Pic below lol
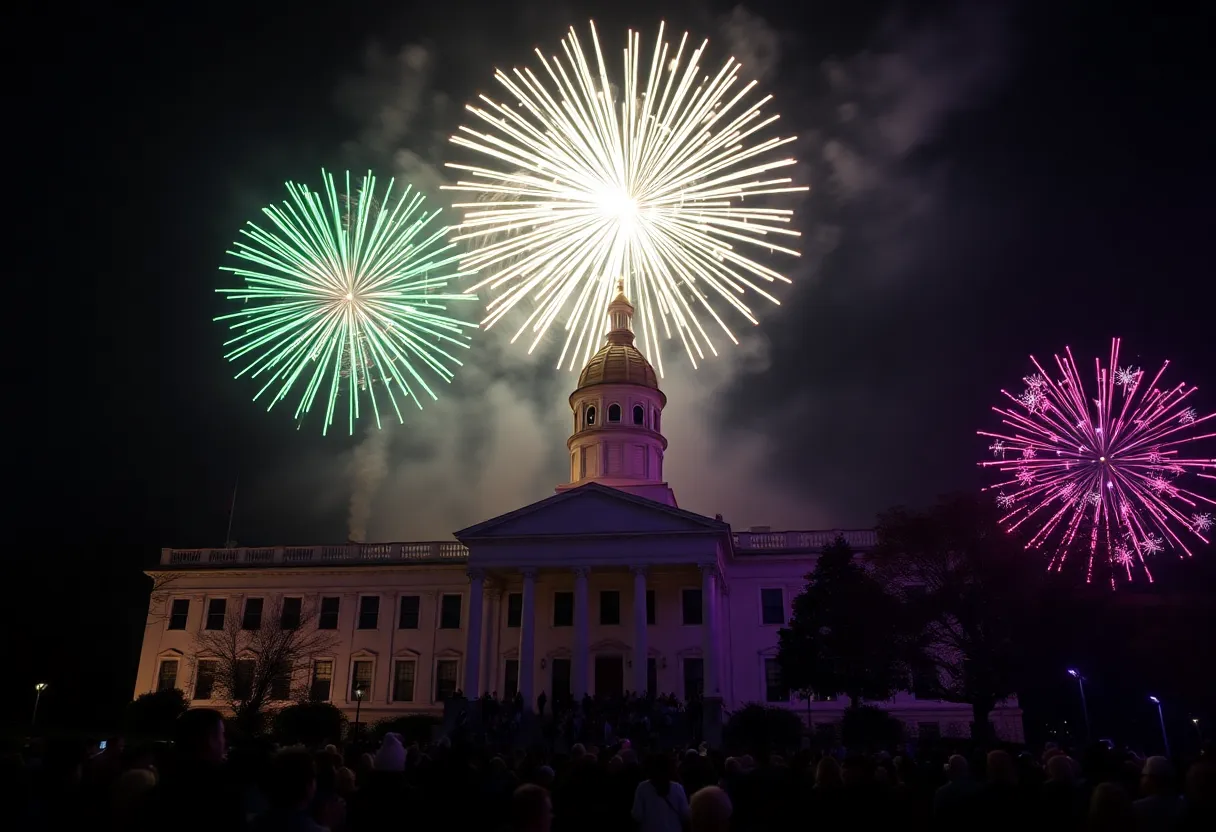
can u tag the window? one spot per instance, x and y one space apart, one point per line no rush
166 678
404 672
217 610
280 684
446 671
407 618
694 677
610 607
561 680
361 677
591 416
243 682
772 606
252 619
449 612
515 608
178 613
652 676
322 679
639 414
657 416
369 612
204 680
328 619
614 413
563 609
692 606
290 614
774 689
650 607
510 678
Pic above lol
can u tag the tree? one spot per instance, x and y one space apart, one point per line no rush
152 715
263 658
972 587
159 601
846 634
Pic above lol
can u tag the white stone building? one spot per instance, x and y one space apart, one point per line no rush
604 587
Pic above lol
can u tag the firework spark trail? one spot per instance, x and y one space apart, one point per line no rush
344 296
1111 466
590 182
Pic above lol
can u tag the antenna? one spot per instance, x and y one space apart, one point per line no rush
229 543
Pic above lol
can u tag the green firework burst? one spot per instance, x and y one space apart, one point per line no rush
344 297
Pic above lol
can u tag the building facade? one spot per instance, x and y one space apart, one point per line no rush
607 586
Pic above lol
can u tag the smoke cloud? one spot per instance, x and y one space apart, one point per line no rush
738 435
368 468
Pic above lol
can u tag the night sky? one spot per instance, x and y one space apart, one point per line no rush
989 180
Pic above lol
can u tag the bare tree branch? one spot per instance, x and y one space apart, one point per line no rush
268 662
159 605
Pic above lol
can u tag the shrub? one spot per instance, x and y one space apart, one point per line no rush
310 723
761 730
870 727
152 715
412 728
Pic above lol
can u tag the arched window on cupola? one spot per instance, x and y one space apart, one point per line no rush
590 415
639 414
614 413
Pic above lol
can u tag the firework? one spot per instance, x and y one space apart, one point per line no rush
343 298
1109 474
642 177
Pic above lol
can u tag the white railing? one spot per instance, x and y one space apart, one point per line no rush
812 541
434 551
449 551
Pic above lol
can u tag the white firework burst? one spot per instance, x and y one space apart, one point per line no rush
1151 544
1127 376
1093 497
1033 399
1201 522
1034 382
1188 416
1028 453
998 449
1025 476
590 176
1005 500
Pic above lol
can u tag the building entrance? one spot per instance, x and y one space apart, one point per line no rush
609 675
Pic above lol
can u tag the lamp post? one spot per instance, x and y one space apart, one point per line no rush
38 689
358 705
1084 705
1165 738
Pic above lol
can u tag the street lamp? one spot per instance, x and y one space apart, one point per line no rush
1161 716
1084 706
358 705
38 689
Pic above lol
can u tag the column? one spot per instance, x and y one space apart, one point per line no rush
578 664
527 637
709 633
489 642
641 648
472 653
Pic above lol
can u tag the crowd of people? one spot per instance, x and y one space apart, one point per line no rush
198 783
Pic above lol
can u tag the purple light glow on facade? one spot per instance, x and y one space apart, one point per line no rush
1106 474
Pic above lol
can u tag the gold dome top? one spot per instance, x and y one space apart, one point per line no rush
618 361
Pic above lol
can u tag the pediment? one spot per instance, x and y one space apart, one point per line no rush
610 645
592 510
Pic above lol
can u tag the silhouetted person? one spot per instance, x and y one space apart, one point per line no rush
198 791
540 704
291 783
531 809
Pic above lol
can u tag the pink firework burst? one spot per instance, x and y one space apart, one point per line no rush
1127 448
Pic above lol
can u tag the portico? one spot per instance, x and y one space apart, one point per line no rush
580 606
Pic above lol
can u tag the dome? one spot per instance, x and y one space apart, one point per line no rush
618 364
618 361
